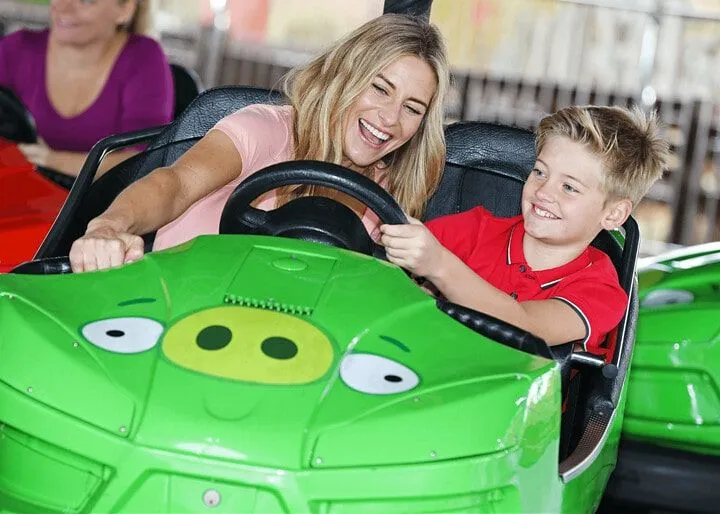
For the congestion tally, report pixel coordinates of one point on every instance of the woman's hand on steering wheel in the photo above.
(103, 246)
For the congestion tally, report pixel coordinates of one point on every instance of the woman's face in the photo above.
(389, 112)
(81, 22)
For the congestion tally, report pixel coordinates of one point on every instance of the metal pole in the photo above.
(216, 42)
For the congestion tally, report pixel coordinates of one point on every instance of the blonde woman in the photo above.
(90, 75)
(373, 103)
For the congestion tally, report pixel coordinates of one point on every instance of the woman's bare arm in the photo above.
(154, 201)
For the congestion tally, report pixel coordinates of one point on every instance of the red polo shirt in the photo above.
(493, 248)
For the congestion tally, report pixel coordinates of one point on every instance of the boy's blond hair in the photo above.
(633, 153)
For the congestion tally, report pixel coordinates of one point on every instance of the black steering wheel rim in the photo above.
(238, 209)
(18, 124)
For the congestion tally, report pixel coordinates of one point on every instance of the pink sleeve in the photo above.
(256, 134)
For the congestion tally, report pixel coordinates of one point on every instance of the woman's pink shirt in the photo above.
(263, 135)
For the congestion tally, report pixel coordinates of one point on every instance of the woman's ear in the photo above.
(127, 11)
(616, 212)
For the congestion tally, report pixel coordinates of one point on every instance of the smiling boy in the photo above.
(538, 270)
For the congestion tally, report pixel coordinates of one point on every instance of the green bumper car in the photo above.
(284, 366)
(670, 455)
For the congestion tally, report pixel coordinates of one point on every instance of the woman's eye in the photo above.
(569, 188)
(538, 173)
(413, 110)
(380, 89)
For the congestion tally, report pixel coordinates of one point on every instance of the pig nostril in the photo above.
(214, 337)
(279, 348)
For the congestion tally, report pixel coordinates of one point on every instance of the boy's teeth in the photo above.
(374, 131)
(544, 213)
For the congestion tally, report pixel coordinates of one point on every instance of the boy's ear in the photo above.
(616, 212)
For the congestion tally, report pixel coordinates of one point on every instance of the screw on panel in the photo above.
(318, 461)
(211, 498)
(433, 454)
(30, 389)
(123, 429)
(75, 344)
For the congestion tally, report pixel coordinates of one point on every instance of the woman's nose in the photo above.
(390, 113)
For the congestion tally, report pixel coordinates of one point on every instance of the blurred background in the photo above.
(513, 62)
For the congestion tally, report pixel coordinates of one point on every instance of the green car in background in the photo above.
(250, 373)
(670, 455)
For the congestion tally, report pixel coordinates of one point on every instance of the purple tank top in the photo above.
(138, 92)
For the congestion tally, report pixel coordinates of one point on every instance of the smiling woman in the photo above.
(372, 102)
(90, 75)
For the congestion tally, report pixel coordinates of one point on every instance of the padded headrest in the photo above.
(486, 165)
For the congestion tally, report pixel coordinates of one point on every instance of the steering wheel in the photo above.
(311, 218)
(16, 122)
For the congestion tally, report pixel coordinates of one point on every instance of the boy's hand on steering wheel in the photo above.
(412, 246)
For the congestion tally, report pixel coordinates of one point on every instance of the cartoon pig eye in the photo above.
(123, 335)
(373, 374)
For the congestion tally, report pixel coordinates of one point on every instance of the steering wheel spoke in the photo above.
(312, 218)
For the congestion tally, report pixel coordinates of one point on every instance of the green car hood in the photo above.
(268, 351)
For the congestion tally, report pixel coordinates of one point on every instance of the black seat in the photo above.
(88, 199)
(187, 86)
(16, 122)
(487, 165)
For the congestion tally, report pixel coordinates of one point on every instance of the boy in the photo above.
(538, 270)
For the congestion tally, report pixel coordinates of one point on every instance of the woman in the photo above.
(373, 102)
(89, 76)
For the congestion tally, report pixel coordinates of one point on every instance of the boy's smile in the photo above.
(563, 203)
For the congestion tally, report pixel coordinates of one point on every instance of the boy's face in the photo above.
(563, 202)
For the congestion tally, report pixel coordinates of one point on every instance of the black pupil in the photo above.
(279, 348)
(115, 333)
(393, 378)
(214, 337)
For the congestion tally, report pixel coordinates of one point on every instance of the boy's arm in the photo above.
(415, 248)
(552, 320)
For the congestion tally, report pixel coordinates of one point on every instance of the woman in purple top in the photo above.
(89, 76)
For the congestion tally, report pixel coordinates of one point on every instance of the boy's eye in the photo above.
(538, 173)
(569, 188)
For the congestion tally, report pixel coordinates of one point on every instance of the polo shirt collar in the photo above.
(548, 277)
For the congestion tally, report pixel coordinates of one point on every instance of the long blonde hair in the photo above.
(323, 91)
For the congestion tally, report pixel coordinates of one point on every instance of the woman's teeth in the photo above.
(375, 132)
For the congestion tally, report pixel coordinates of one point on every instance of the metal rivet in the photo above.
(433, 454)
(318, 461)
(211, 498)
(123, 429)
(75, 344)
(29, 389)
(676, 346)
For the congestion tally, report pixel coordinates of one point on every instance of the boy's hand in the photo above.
(413, 247)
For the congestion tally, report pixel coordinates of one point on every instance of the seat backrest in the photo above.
(187, 86)
(486, 164)
(174, 140)
(16, 121)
